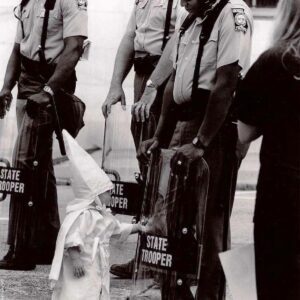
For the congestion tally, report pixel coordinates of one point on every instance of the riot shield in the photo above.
(29, 210)
(173, 212)
(120, 163)
(8, 134)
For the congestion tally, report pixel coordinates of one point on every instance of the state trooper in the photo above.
(34, 218)
(150, 26)
(203, 82)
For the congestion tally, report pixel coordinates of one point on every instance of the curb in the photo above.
(61, 181)
(246, 187)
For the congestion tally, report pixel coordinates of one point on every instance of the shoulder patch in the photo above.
(240, 19)
(82, 4)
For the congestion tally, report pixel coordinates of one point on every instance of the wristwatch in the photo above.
(198, 144)
(48, 90)
(150, 84)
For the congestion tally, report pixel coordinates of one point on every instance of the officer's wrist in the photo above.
(48, 90)
(151, 85)
(198, 143)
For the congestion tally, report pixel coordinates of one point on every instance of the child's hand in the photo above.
(78, 267)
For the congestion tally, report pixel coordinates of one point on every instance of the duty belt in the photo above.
(195, 108)
(145, 64)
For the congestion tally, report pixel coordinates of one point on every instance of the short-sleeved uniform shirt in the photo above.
(68, 18)
(148, 22)
(228, 43)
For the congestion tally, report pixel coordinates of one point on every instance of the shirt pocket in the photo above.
(54, 22)
(181, 46)
(140, 14)
(210, 51)
(158, 14)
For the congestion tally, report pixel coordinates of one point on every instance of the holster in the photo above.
(145, 64)
(70, 109)
(196, 108)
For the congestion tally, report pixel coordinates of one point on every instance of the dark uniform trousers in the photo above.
(33, 217)
(223, 165)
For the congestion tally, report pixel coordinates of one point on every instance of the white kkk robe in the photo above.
(88, 227)
(91, 232)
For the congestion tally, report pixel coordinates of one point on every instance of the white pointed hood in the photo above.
(88, 179)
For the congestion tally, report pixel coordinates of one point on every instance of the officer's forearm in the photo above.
(67, 62)
(219, 103)
(13, 68)
(164, 67)
(168, 118)
(216, 113)
(124, 59)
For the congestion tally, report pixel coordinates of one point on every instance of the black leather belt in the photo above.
(195, 108)
(145, 64)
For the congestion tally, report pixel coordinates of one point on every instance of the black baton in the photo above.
(57, 128)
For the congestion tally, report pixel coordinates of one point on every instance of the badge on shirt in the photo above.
(240, 19)
(82, 4)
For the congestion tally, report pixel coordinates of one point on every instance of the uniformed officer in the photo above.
(34, 219)
(206, 126)
(151, 24)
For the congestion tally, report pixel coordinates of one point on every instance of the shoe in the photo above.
(14, 264)
(123, 271)
(10, 253)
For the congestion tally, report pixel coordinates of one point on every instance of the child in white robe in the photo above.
(80, 267)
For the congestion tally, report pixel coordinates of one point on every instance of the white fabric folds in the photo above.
(88, 179)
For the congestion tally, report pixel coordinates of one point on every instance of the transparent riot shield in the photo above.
(120, 163)
(8, 133)
(29, 209)
(173, 212)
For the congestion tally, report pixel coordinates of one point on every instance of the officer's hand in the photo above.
(115, 95)
(5, 102)
(36, 101)
(183, 155)
(146, 148)
(141, 109)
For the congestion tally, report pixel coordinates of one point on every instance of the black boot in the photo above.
(14, 261)
(123, 271)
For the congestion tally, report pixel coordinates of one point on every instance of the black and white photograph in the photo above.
(150, 150)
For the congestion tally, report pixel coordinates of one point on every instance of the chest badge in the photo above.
(240, 20)
(82, 4)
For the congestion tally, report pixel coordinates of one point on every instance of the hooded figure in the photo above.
(88, 226)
